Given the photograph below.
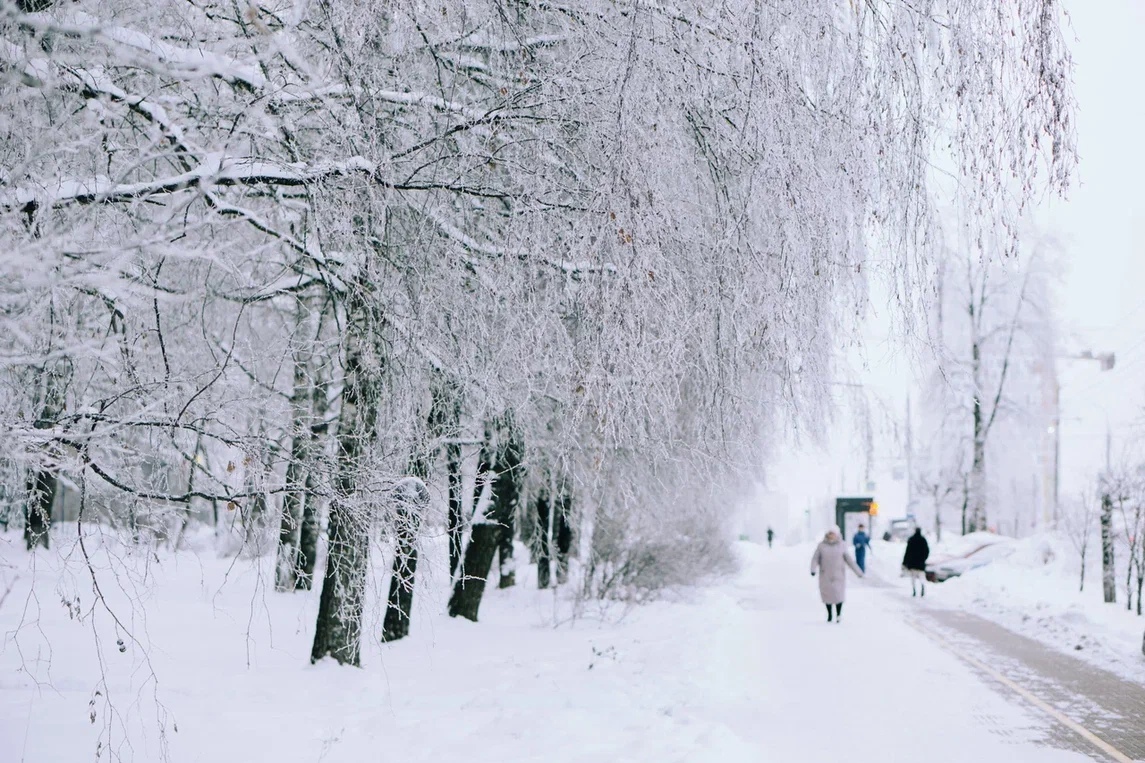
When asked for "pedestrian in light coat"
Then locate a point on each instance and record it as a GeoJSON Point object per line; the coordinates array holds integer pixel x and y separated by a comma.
{"type": "Point", "coordinates": [831, 560]}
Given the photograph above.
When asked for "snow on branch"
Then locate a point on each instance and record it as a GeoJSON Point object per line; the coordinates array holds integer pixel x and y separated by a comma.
{"type": "Point", "coordinates": [43, 73]}
{"type": "Point", "coordinates": [490, 249]}
{"type": "Point", "coordinates": [145, 50]}
{"type": "Point", "coordinates": [423, 99]}
{"type": "Point", "coordinates": [217, 170]}
{"type": "Point", "coordinates": [501, 46]}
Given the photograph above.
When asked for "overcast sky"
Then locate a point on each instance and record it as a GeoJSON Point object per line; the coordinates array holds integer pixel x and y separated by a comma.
{"type": "Point", "coordinates": [1103, 227]}
{"type": "Point", "coordinates": [1100, 302]}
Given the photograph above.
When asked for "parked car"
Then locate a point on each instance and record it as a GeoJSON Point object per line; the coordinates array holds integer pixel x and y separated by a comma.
{"type": "Point", "coordinates": [981, 554]}
{"type": "Point", "coordinates": [900, 530]}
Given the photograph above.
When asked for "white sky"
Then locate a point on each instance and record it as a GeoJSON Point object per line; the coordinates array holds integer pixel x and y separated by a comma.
{"type": "Point", "coordinates": [1103, 226]}
{"type": "Point", "coordinates": [1102, 297]}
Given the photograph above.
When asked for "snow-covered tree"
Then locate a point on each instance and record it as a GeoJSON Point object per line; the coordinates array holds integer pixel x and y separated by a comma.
{"type": "Point", "coordinates": [244, 244]}
{"type": "Point", "coordinates": [992, 343]}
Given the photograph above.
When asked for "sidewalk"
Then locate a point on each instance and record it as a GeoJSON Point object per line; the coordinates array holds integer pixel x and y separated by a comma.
{"type": "Point", "coordinates": [871, 689]}
{"type": "Point", "coordinates": [1108, 706]}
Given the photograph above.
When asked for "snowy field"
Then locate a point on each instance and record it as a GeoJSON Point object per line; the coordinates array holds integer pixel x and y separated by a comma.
{"type": "Point", "coordinates": [746, 670]}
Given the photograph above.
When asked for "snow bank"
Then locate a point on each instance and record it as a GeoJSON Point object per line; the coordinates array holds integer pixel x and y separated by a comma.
{"type": "Point", "coordinates": [196, 658]}
{"type": "Point", "coordinates": [1034, 591]}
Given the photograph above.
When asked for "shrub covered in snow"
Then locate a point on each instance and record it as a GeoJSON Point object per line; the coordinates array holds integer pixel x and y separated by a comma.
{"type": "Point", "coordinates": [637, 563]}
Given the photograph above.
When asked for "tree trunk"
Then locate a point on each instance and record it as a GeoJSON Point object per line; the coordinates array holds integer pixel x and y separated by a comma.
{"type": "Point", "coordinates": [44, 482]}
{"type": "Point", "coordinates": [193, 464]}
{"type": "Point", "coordinates": [1137, 550]}
{"type": "Point", "coordinates": [484, 470]}
{"type": "Point", "coordinates": [1107, 560]}
{"type": "Point", "coordinates": [1129, 581]}
{"type": "Point", "coordinates": [1081, 587]}
{"type": "Point", "coordinates": [455, 519]}
{"type": "Point", "coordinates": [42, 488]}
{"type": "Point", "coordinates": [466, 599]}
{"type": "Point", "coordinates": [311, 528]}
{"type": "Point", "coordinates": [507, 566]}
{"type": "Point", "coordinates": [308, 536]}
{"type": "Point", "coordinates": [506, 497]}
{"type": "Point", "coordinates": [412, 499]}
{"type": "Point", "coordinates": [1140, 583]}
{"type": "Point", "coordinates": [288, 567]}
{"type": "Point", "coordinates": [978, 521]}
{"type": "Point", "coordinates": [399, 605]}
{"type": "Point", "coordinates": [543, 538]}
{"type": "Point", "coordinates": [562, 532]}
{"type": "Point", "coordinates": [338, 632]}
{"type": "Point", "coordinates": [978, 464]}
{"type": "Point", "coordinates": [938, 521]}
{"type": "Point", "coordinates": [965, 503]}
{"type": "Point", "coordinates": [256, 513]}
{"type": "Point", "coordinates": [502, 509]}
{"type": "Point", "coordinates": [484, 477]}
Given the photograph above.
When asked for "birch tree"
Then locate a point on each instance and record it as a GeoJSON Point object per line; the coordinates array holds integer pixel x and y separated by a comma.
{"type": "Point", "coordinates": [643, 230]}
{"type": "Point", "coordinates": [1079, 519]}
{"type": "Point", "coordinates": [992, 339]}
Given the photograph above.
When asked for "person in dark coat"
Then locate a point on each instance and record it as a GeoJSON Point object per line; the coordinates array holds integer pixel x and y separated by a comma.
{"type": "Point", "coordinates": [770, 536]}
{"type": "Point", "coordinates": [914, 561]}
{"type": "Point", "coordinates": [862, 543]}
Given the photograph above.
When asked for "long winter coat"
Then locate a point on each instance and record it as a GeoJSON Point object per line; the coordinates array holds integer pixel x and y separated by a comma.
{"type": "Point", "coordinates": [917, 552]}
{"type": "Point", "coordinates": [831, 560]}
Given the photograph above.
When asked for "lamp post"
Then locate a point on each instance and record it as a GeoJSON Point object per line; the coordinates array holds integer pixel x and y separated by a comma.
{"type": "Point", "coordinates": [868, 436]}
{"type": "Point", "coordinates": [1107, 361]}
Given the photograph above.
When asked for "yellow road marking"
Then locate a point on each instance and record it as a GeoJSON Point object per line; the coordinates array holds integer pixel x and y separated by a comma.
{"type": "Point", "coordinates": [1045, 707]}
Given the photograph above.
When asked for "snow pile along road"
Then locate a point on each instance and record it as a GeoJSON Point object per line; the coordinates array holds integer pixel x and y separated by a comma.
{"type": "Point", "coordinates": [1035, 591]}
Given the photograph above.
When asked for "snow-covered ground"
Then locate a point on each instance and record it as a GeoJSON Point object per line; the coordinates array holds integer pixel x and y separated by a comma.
{"type": "Point", "coordinates": [1035, 592]}
{"type": "Point", "coordinates": [746, 670]}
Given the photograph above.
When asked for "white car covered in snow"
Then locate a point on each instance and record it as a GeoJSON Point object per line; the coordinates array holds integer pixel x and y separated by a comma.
{"type": "Point", "coordinates": [977, 550]}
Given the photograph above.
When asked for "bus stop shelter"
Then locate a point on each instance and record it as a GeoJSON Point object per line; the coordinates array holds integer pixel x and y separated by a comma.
{"type": "Point", "coordinates": [852, 512]}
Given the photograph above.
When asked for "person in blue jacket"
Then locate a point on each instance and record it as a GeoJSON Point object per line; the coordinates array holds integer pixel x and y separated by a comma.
{"type": "Point", "coordinates": [862, 543]}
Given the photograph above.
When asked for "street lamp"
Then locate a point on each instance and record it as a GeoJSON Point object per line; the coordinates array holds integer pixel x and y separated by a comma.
{"type": "Point", "coordinates": [1107, 361]}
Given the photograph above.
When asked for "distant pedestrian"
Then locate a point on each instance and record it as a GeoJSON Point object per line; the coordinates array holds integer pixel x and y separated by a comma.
{"type": "Point", "coordinates": [831, 560]}
{"type": "Point", "coordinates": [770, 536]}
{"type": "Point", "coordinates": [914, 561]}
{"type": "Point", "coordinates": [862, 543]}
